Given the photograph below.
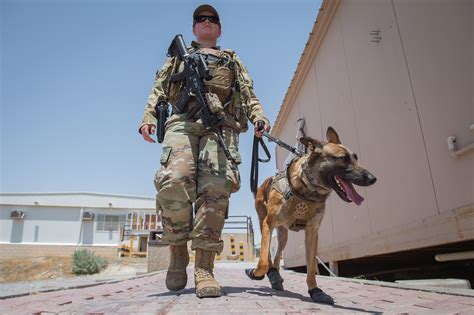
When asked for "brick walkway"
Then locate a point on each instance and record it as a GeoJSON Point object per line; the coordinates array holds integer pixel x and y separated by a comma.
{"type": "Point", "coordinates": [149, 295]}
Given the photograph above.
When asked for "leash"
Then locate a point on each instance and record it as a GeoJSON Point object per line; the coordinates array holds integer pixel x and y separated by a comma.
{"type": "Point", "coordinates": [256, 159]}
{"type": "Point", "coordinates": [283, 144]}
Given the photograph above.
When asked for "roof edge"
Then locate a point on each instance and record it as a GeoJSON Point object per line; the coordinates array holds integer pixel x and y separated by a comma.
{"type": "Point", "coordinates": [320, 27]}
{"type": "Point", "coordinates": [74, 193]}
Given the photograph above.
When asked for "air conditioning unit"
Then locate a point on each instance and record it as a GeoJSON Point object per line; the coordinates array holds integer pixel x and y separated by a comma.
{"type": "Point", "coordinates": [88, 216]}
{"type": "Point", "coordinates": [17, 215]}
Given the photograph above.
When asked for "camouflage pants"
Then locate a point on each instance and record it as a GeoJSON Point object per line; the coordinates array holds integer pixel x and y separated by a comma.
{"type": "Point", "coordinates": [195, 171]}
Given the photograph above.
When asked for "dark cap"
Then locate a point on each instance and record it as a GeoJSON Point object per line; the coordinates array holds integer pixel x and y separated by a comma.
{"type": "Point", "coordinates": [204, 7]}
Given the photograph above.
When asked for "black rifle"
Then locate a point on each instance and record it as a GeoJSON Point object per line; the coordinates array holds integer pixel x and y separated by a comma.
{"type": "Point", "coordinates": [195, 72]}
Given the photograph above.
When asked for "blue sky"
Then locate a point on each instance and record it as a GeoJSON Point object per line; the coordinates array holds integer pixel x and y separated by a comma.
{"type": "Point", "coordinates": [75, 76]}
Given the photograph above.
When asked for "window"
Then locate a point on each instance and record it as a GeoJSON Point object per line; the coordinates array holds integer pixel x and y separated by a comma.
{"type": "Point", "coordinates": [150, 220]}
{"type": "Point", "coordinates": [141, 220]}
{"type": "Point", "coordinates": [110, 222]}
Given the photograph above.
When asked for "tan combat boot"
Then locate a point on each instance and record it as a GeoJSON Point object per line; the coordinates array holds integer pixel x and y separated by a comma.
{"type": "Point", "coordinates": [176, 277]}
{"type": "Point", "coordinates": [206, 285]}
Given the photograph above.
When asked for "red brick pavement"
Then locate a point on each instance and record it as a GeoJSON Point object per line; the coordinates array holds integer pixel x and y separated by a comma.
{"type": "Point", "coordinates": [149, 295]}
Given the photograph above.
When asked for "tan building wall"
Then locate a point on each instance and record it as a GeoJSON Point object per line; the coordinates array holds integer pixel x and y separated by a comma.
{"type": "Point", "coordinates": [27, 251]}
{"type": "Point", "coordinates": [239, 237]}
{"type": "Point", "coordinates": [394, 101]}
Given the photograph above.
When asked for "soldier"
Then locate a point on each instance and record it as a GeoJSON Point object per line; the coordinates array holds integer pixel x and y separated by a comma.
{"type": "Point", "coordinates": [194, 169]}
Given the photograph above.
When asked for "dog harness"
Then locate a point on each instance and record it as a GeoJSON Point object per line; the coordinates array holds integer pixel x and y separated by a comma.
{"type": "Point", "coordinates": [300, 208]}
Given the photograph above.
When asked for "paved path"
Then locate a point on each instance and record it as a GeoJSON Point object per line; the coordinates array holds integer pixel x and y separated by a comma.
{"type": "Point", "coordinates": [148, 294]}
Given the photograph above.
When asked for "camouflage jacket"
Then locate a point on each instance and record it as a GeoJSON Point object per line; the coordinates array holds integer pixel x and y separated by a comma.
{"type": "Point", "coordinates": [243, 104]}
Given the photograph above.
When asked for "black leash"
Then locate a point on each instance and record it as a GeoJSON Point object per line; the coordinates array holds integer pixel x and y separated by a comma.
{"type": "Point", "coordinates": [256, 159]}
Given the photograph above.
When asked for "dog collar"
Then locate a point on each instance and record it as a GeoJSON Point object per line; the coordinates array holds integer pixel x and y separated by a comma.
{"type": "Point", "coordinates": [282, 184]}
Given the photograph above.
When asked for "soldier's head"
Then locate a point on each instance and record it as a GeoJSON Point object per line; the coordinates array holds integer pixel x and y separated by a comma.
{"type": "Point", "coordinates": [206, 23]}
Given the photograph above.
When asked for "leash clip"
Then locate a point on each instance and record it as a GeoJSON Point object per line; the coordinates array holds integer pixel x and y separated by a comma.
{"type": "Point", "coordinates": [288, 195]}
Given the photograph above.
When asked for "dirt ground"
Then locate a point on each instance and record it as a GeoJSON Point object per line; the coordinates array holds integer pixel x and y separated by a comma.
{"type": "Point", "coordinates": [40, 268]}
{"type": "Point", "coordinates": [46, 268]}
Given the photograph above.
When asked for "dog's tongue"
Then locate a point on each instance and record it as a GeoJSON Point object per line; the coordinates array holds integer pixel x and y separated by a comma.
{"type": "Point", "coordinates": [352, 193]}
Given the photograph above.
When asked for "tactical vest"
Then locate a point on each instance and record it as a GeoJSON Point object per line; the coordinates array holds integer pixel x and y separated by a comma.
{"type": "Point", "coordinates": [222, 69]}
{"type": "Point", "coordinates": [226, 73]}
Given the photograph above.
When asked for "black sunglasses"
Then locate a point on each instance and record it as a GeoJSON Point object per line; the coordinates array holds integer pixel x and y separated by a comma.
{"type": "Point", "coordinates": [202, 18]}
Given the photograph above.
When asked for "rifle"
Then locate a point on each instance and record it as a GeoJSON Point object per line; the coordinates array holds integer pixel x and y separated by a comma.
{"type": "Point", "coordinates": [195, 72]}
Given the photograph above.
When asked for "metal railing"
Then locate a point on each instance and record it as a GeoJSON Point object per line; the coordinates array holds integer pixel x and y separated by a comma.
{"type": "Point", "coordinates": [241, 222]}
{"type": "Point", "coordinates": [233, 222]}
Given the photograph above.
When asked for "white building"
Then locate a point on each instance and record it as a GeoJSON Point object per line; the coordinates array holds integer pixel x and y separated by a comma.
{"type": "Point", "coordinates": [41, 224]}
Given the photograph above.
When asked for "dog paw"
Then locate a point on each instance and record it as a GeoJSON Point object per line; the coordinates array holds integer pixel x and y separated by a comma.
{"type": "Point", "coordinates": [251, 275]}
{"type": "Point", "coordinates": [275, 279]}
{"type": "Point", "coordinates": [318, 296]}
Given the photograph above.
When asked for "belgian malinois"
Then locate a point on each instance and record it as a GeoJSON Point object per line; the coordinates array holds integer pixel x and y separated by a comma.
{"type": "Point", "coordinates": [295, 199]}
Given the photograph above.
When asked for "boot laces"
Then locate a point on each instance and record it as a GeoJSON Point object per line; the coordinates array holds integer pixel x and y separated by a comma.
{"type": "Point", "coordinates": [202, 274]}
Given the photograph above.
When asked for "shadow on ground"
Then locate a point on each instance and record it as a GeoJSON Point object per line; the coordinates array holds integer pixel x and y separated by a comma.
{"type": "Point", "coordinates": [264, 292]}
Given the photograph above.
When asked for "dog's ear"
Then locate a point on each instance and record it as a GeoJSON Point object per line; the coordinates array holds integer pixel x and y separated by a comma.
{"type": "Point", "coordinates": [314, 156]}
{"type": "Point", "coordinates": [332, 136]}
{"type": "Point", "coordinates": [306, 141]}
{"type": "Point", "coordinates": [310, 143]}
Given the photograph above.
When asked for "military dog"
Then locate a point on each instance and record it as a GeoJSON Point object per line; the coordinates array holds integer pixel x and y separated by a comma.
{"type": "Point", "coordinates": [295, 199]}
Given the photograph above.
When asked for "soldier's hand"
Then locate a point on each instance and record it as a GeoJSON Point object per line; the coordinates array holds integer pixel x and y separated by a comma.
{"type": "Point", "coordinates": [146, 131]}
{"type": "Point", "coordinates": [261, 126]}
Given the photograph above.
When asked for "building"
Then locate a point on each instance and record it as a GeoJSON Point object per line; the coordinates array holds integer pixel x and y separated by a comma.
{"type": "Point", "coordinates": [395, 79]}
{"type": "Point", "coordinates": [55, 224]}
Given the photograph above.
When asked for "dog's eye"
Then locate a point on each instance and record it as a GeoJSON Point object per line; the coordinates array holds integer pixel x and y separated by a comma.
{"type": "Point", "coordinates": [345, 158]}
{"type": "Point", "coordinates": [355, 157]}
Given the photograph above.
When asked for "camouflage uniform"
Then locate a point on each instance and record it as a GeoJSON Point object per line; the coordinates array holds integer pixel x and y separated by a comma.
{"type": "Point", "coordinates": [194, 169]}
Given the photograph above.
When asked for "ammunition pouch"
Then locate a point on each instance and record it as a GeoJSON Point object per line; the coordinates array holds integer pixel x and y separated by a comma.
{"type": "Point", "coordinates": [215, 105]}
{"type": "Point", "coordinates": [221, 82]}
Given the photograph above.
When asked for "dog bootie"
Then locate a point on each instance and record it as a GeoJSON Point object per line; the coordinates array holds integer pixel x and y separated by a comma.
{"type": "Point", "coordinates": [176, 277]}
{"type": "Point", "coordinates": [250, 273]}
{"type": "Point", "coordinates": [206, 285]}
{"type": "Point", "coordinates": [318, 296]}
{"type": "Point", "coordinates": [275, 279]}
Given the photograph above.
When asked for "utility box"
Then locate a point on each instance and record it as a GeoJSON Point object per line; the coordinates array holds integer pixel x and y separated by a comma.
{"type": "Point", "coordinates": [158, 252]}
